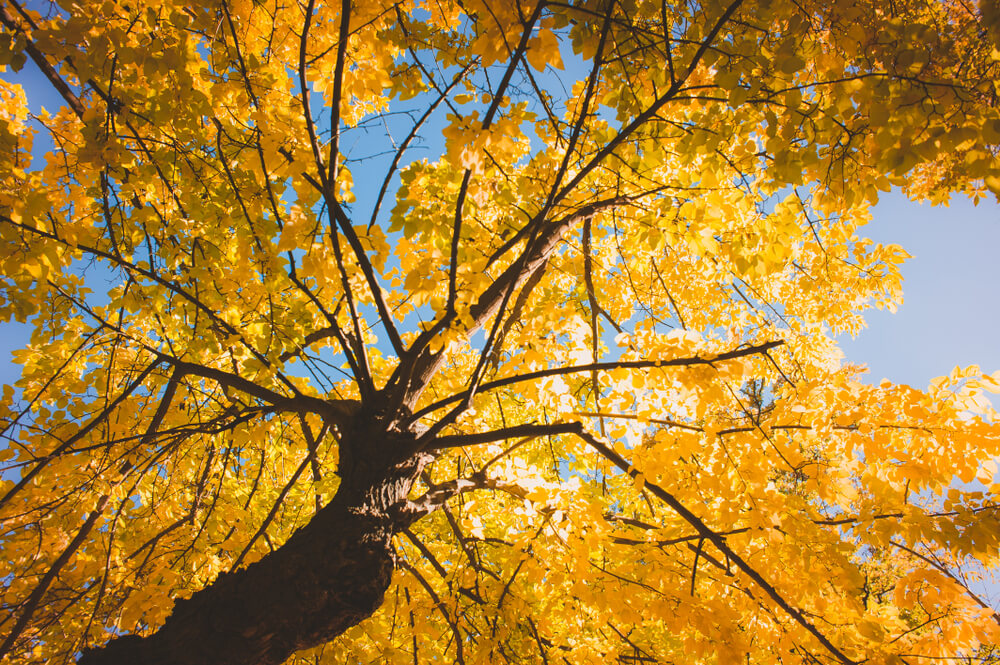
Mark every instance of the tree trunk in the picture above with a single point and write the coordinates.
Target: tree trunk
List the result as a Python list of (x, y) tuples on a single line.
[(330, 575)]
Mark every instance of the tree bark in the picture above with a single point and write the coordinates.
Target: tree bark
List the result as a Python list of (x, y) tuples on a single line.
[(330, 575)]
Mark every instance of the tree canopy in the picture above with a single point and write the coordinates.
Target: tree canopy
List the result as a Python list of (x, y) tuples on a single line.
[(472, 331)]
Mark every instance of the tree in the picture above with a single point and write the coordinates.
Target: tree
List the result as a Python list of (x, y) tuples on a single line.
[(572, 397)]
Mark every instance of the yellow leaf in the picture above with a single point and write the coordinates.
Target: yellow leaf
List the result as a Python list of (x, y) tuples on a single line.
[(543, 50)]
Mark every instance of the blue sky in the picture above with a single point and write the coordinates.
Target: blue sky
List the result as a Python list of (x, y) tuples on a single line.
[(951, 288)]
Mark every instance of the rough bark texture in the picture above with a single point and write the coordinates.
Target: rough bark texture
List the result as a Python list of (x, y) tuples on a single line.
[(330, 575)]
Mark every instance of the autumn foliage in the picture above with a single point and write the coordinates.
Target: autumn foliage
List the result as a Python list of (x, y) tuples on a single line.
[(519, 316)]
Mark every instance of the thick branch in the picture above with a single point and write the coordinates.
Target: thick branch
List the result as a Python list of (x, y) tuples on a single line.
[(517, 431), (337, 410), (39, 59), (413, 376)]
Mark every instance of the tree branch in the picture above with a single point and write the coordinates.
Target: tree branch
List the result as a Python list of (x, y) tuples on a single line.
[(516, 431), (626, 364), (82, 432), (36, 596), (719, 541), (338, 81), (39, 59)]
